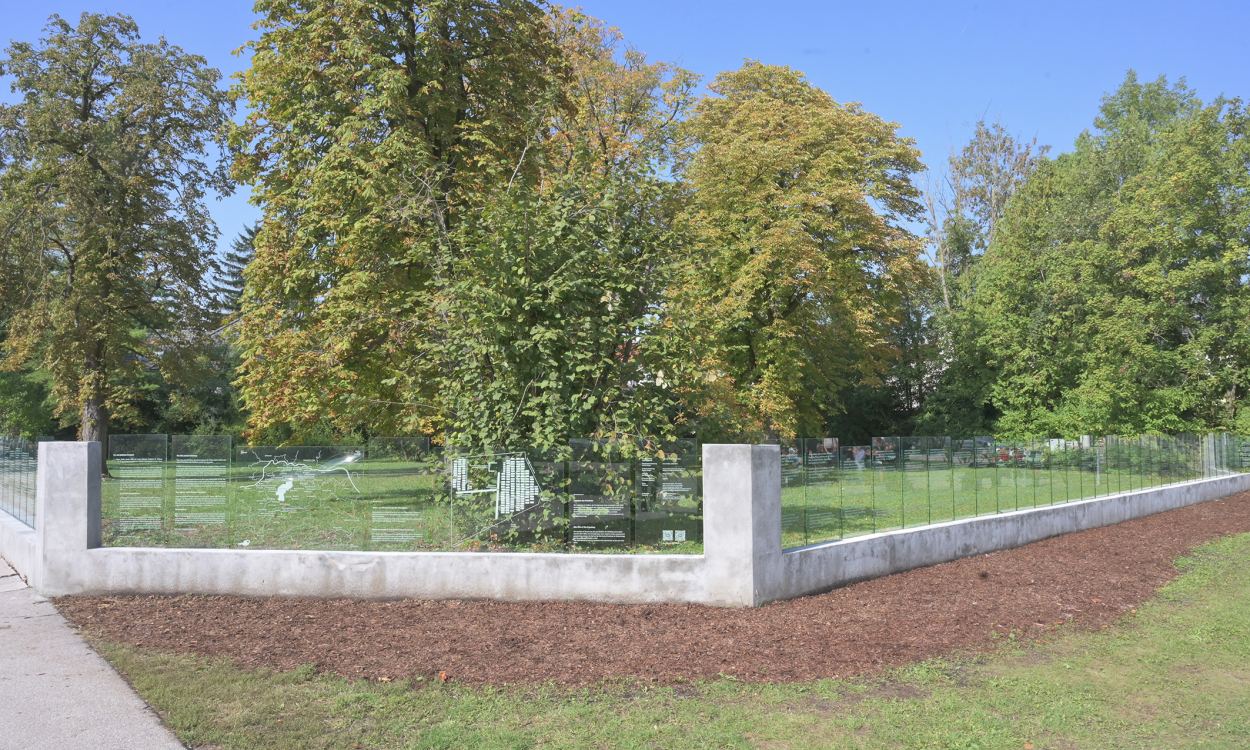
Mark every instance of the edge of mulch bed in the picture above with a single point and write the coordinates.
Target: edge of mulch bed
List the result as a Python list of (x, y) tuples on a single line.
[(1087, 579)]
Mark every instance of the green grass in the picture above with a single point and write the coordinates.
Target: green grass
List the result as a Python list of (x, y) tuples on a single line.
[(1174, 675), (385, 505), (406, 502), (849, 502)]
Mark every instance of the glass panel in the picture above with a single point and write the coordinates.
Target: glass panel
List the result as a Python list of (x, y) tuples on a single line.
[(793, 496), (201, 490), (134, 496), (963, 477), (855, 480), (600, 496), (1050, 464), (402, 488), (823, 504), (915, 458), (986, 468), (1092, 479), (17, 479), (542, 524), (887, 483), (668, 497), (941, 480), (299, 497), (1035, 459)]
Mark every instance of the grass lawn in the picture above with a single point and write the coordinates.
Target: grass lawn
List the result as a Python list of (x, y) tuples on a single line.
[(395, 504), (339, 499), (851, 502), (1176, 674)]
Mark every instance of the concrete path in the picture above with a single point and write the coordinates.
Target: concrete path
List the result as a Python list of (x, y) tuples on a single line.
[(55, 692)]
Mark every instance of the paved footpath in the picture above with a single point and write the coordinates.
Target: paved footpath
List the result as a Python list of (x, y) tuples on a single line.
[(55, 692)]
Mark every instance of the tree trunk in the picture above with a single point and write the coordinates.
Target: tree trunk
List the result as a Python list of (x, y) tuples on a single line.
[(94, 426)]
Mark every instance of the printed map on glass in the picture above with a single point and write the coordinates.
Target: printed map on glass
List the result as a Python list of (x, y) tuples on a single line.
[(313, 490), (492, 492)]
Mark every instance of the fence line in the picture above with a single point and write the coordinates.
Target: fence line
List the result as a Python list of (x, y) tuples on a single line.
[(742, 564), (832, 491), (405, 494), (400, 494), (17, 479)]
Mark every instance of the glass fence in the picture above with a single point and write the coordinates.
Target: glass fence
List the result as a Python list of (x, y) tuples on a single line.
[(17, 479), (406, 494), (401, 494), (832, 491)]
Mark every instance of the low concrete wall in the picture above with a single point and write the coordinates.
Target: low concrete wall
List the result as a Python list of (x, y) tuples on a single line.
[(384, 575), (821, 567), (71, 560), (743, 564), (17, 544)]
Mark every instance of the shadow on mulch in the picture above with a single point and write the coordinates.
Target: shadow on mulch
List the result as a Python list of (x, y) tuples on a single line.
[(1087, 579)]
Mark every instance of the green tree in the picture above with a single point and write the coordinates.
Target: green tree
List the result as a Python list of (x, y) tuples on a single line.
[(104, 174), (963, 216), (228, 285), (801, 259), (1114, 296), (555, 323), (964, 212), (375, 128)]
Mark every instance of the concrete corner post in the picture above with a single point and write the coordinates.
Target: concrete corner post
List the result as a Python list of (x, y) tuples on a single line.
[(67, 501), (741, 523)]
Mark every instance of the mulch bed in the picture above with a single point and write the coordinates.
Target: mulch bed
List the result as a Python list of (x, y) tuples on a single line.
[(1087, 579)]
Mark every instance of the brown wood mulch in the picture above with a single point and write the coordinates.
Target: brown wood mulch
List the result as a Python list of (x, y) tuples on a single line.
[(1086, 579)]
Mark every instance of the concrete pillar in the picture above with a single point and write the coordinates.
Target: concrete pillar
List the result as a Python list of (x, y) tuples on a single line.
[(67, 501), (742, 523)]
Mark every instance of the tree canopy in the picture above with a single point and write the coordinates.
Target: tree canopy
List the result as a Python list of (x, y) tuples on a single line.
[(105, 236), (496, 223), (1114, 296), (800, 261)]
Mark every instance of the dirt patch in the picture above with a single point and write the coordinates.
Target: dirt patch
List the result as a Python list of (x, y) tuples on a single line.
[(1088, 579)]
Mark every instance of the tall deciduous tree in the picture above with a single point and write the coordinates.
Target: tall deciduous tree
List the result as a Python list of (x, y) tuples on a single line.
[(979, 183), (554, 316), (963, 215), (376, 126), (1114, 297), (801, 259), (104, 174)]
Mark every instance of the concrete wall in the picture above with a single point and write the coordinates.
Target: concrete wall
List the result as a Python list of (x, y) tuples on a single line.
[(17, 544), (742, 565), (70, 560), (821, 567), (424, 575)]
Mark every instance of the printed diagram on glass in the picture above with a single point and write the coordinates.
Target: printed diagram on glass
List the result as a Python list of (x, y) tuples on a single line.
[(301, 478), (505, 480)]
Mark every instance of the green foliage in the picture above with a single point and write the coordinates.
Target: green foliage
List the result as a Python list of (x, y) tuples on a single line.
[(375, 128), (1115, 297), (468, 234), (963, 219), (104, 177), (24, 407), (800, 262), (228, 287), (492, 221), (553, 316), (552, 311)]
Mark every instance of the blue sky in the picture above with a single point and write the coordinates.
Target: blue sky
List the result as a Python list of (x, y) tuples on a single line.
[(933, 67)]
